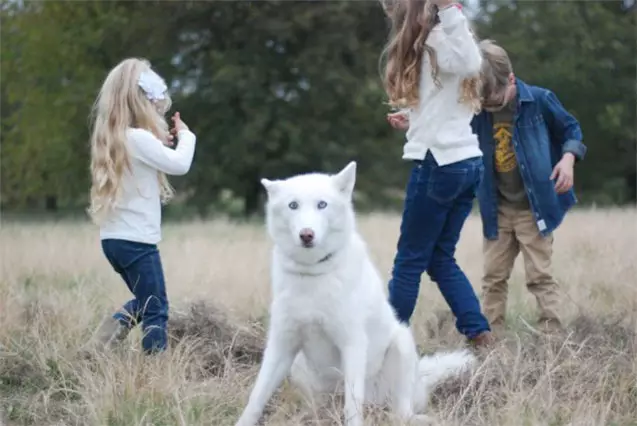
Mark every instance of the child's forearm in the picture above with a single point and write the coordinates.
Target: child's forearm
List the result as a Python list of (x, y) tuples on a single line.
[(150, 150), (569, 156)]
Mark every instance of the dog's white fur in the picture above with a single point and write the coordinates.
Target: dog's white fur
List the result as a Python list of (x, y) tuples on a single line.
[(331, 325)]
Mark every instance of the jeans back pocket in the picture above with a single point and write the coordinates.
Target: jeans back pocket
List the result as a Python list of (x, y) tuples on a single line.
[(447, 183)]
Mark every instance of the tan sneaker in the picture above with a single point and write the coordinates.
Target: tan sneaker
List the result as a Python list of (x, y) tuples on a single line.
[(550, 325), (498, 328), (110, 332), (107, 336)]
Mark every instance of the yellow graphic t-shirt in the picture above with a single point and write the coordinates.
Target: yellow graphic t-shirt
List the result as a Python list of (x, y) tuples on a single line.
[(510, 185), (504, 155)]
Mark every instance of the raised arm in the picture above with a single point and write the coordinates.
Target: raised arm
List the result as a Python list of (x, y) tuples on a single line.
[(151, 151), (456, 49)]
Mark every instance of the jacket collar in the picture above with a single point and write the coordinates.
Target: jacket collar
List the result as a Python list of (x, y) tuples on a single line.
[(524, 92)]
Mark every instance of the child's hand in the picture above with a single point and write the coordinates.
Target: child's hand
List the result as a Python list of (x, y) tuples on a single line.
[(388, 6), (179, 125), (563, 173), (442, 3), (169, 140), (398, 120)]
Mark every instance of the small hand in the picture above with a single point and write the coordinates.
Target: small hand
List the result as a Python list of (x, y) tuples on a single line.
[(388, 6), (563, 173), (179, 125), (442, 4), (170, 139), (398, 120)]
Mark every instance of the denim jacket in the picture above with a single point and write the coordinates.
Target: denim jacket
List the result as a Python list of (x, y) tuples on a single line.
[(543, 132)]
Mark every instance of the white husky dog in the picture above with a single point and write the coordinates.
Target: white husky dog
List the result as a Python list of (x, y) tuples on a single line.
[(331, 325)]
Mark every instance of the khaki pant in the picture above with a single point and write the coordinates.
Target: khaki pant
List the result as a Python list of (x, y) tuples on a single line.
[(518, 232)]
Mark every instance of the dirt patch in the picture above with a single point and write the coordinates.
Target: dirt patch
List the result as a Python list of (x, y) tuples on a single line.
[(215, 341)]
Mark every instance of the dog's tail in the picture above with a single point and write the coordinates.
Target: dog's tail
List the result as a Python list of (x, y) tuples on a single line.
[(434, 369)]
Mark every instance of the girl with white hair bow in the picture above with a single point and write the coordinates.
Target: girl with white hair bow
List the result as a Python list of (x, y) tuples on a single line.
[(129, 163)]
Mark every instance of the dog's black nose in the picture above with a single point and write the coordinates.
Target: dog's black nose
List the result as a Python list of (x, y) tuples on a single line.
[(307, 236)]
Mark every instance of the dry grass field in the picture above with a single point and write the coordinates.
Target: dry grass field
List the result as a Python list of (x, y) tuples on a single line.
[(55, 286)]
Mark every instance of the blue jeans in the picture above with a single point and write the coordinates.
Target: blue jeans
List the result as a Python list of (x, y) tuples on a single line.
[(437, 204), (140, 266)]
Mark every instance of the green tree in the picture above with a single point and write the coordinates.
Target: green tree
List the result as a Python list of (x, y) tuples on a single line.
[(296, 93), (277, 88), (55, 56)]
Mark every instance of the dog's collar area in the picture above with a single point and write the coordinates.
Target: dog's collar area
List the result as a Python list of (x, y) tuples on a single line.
[(298, 267), (326, 258), (304, 265)]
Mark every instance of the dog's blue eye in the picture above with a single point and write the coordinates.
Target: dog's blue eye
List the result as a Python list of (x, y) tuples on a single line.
[(293, 205), (321, 205)]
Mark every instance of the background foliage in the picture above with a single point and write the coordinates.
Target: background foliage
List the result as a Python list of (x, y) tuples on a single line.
[(274, 88)]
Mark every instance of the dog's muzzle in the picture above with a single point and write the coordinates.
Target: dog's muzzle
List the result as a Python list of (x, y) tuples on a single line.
[(307, 237)]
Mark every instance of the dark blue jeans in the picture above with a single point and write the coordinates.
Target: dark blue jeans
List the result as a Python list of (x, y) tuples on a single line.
[(140, 266), (437, 204)]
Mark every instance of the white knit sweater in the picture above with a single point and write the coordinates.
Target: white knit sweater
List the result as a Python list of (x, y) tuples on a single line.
[(441, 123), (136, 215)]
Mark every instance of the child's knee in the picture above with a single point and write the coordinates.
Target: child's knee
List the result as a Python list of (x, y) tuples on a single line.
[(495, 273)]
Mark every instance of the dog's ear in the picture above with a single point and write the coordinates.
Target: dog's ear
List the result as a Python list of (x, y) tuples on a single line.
[(346, 178), (270, 186)]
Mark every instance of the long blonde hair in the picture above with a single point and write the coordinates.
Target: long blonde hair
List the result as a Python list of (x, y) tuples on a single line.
[(411, 23), (121, 104)]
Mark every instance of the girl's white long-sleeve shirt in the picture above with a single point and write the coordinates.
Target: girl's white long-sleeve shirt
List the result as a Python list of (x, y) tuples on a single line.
[(136, 215), (441, 123)]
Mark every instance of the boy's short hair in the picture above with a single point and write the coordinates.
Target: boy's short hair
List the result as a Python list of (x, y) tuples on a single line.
[(496, 67)]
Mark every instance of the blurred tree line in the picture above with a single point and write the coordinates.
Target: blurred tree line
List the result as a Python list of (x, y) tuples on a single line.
[(274, 88)]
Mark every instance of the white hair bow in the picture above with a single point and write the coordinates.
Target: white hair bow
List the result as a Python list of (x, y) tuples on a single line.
[(153, 85)]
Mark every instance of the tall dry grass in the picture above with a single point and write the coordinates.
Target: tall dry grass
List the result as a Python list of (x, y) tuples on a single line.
[(55, 286)]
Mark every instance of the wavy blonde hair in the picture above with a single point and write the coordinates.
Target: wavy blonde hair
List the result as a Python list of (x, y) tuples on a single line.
[(121, 104), (411, 23)]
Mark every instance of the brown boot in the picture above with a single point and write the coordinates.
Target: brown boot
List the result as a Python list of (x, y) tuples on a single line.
[(483, 340)]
